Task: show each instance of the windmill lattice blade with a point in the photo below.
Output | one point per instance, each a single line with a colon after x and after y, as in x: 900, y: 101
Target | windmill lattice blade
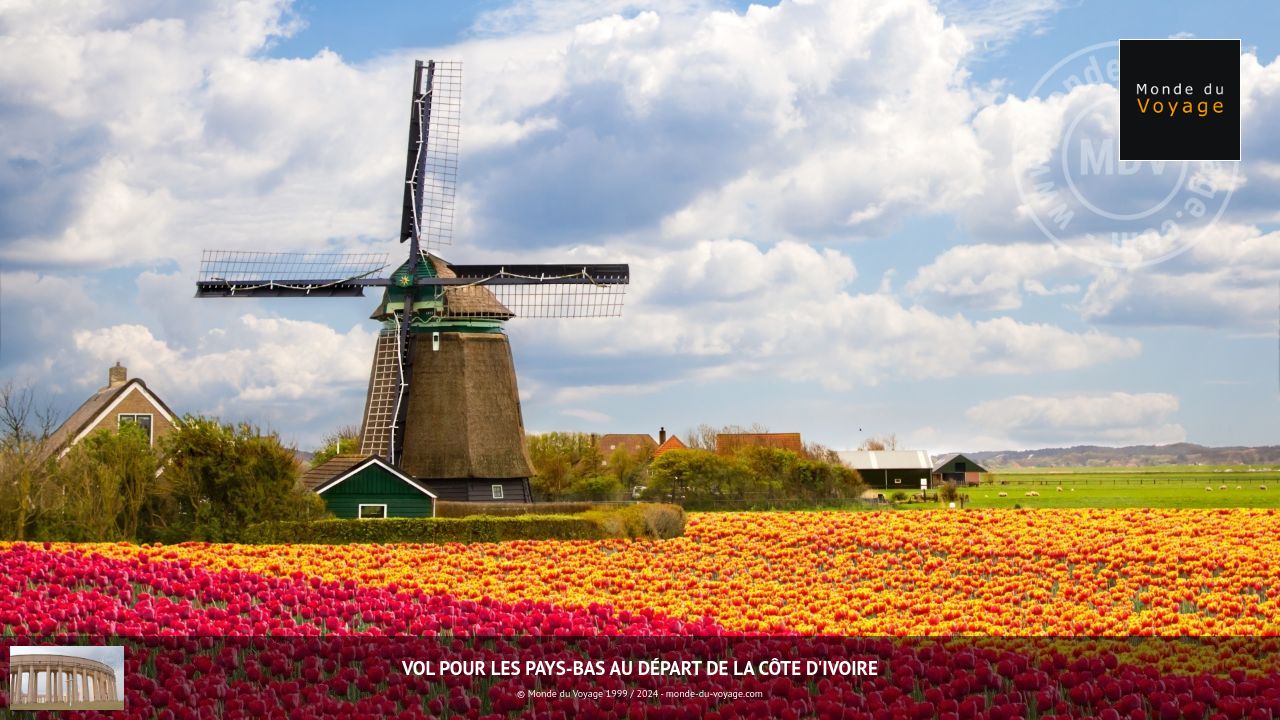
x: 437, y: 175
x: 582, y: 300
x: 442, y: 155
x: 225, y: 273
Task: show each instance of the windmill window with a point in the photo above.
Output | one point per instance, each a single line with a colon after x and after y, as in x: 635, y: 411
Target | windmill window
x: 497, y: 492
x: 372, y: 512
x: 142, y: 420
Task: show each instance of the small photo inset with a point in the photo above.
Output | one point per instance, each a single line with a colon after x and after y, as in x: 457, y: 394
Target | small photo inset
x: 66, y: 677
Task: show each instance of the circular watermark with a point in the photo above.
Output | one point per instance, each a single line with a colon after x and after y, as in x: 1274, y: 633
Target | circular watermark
x: 1101, y: 209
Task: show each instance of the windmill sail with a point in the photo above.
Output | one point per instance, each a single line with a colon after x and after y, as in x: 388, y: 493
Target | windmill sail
x: 432, y: 164
x: 247, y: 273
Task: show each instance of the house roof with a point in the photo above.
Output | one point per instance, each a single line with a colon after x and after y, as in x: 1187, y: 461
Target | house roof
x: 730, y: 442
x: 886, y: 459
x: 671, y: 443
x: 338, y: 469
x: 942, y: 461
x: 330, y: 469
x: 92, y: 410
x: 629, y: 442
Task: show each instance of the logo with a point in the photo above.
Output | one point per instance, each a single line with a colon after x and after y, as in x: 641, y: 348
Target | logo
x: 1103, y: 209
x: 1180, y: 99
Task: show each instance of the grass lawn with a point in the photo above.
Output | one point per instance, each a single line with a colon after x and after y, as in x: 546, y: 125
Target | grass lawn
x: 1160, y: 487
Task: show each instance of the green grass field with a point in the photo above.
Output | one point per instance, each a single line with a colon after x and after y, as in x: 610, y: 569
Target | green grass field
x: 1157, y: 487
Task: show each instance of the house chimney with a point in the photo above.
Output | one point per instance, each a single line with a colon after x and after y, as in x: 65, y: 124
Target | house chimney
x: 117, y: 376
x: 662, y: 435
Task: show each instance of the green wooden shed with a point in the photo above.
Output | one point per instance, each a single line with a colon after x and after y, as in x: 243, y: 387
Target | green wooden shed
x: 364, y: 486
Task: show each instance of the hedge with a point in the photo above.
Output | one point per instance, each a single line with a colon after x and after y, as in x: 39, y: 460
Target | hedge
x: 455, y: 509
x: 646, y: 520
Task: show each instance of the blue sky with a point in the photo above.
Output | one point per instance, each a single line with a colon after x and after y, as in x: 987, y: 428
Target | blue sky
x: 825, y: 206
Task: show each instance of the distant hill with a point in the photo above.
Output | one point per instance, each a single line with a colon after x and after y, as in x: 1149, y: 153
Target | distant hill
x: 1132, y: 456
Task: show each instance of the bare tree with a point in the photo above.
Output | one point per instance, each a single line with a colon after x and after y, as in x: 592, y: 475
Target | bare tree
x: 818, y: 451
x: 24, y: 460
x: 703, y: 437
x: 888, y: 442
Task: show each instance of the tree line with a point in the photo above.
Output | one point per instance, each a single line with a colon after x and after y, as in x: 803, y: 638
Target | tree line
x: 204, y: 480
x: 573, y: 466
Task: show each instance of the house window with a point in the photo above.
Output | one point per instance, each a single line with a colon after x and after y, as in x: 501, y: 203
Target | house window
x: 960, y: 466
x: 897, y: 481
x: 497, y: 492
x: 142, y: 420
x: 372, y: 512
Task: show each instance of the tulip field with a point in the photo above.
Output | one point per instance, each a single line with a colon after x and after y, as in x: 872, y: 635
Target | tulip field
x: 975, y: 613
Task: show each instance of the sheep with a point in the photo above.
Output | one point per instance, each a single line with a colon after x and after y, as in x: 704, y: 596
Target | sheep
x: 1222, y: 487
x: 1059, y: 488
x: 1031, y: 493
x: 1003, y: 494
x: 1208, y: 489
x: 1239, y: 487
x: 1262, y: 487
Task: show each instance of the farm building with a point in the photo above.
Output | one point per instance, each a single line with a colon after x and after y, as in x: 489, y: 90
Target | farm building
x: 890, y: 469
x: 122, y: 401
x: 728, y: 443
x: 632, y: 444
x: 363, y: 486
x: 958, y: 469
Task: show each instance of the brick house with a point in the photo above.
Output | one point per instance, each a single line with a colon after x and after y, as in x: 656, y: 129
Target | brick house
x: 121, y: 401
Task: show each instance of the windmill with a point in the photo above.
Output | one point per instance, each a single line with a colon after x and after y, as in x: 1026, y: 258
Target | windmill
x: 442, y: 403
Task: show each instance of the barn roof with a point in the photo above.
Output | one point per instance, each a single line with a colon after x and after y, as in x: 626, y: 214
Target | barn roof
x: 334, y: 471
x: 886, y: 459
x: 731, y: 442
x: 334, y: 467
x: 943, y: 460
x: 92, y: 410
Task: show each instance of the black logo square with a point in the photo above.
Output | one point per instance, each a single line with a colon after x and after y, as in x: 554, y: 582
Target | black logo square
x: 1180, y: 99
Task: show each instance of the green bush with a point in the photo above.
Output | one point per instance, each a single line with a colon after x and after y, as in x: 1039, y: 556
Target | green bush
x: 597, y: 487
x: 948, y: 492
x: 647, y: 520
x: 629, y: 521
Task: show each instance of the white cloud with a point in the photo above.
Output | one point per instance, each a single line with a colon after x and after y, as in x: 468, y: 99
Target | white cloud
x: 788, y: 310
x: 267, y: 369
x: 592, y: 416
x: 996, y: 277
x: 1227, y: 278
x: 1116, y: 418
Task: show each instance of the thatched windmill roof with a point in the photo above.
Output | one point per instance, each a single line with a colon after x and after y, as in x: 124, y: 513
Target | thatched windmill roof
x: 468, y: 300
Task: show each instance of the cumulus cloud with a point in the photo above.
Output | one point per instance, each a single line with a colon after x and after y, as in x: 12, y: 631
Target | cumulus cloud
x: 1227, y: 278
x: 1116, y: 418
x: 790, y: 311
x: 275, y: 371
x: 997, y: 277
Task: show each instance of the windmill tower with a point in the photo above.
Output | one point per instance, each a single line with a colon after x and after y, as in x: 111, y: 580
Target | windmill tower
x: 442, y: 403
